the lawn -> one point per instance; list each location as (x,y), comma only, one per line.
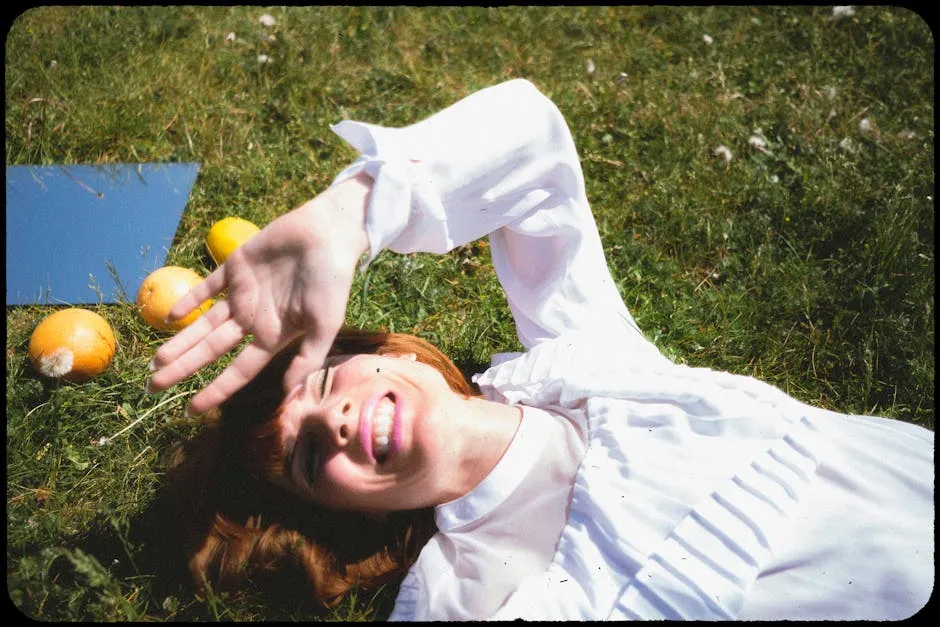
(762,178)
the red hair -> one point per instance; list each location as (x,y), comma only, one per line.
(238,527)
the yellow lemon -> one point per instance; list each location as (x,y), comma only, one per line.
(226,235)
(161,290)
(74,344)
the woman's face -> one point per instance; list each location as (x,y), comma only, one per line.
(370,433)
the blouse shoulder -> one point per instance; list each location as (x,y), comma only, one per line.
(554,370)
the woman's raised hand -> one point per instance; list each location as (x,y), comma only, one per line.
(291,279)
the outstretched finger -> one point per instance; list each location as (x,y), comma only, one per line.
(312,354)
(249,363)
(220,341)
(190,336)
(211,286)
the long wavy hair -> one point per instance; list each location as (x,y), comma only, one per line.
(238,528)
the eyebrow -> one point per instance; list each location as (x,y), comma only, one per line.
(291,447)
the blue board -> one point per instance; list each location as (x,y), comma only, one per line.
(82,234)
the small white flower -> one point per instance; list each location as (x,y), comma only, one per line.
(607,138)
(707,39)
(272,38)
(622,77)
(52,64)
(757,142)
(864,125)
(723,152)
(847,144)
(589,66)
(230,37)
(267,20)
(830,92)
(263,58)
(842,11)
(102,440)
(774,178)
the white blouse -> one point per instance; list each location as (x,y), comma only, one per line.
(634,487)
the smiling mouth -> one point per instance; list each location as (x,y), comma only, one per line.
(383,419)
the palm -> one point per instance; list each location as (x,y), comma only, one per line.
(289,280)
(267,286)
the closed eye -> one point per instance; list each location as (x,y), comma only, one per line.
(308,469)
(312,464)
(323,382)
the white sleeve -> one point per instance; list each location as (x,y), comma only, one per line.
(501,162)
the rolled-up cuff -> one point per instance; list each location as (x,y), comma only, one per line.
(385,157)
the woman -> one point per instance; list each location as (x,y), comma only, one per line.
(594,478)
(238,519)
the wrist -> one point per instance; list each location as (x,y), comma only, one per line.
(343,207)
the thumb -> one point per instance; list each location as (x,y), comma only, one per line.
(312,354)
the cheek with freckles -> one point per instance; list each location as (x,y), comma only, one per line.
(335,474)
(343,481)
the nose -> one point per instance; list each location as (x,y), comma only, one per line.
(338,421)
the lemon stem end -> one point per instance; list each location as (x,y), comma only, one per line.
(57,363)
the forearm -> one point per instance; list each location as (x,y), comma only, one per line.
(465,172)
(337,217)
(502,163)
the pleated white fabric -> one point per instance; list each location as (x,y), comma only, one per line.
(635,488)
(687,481)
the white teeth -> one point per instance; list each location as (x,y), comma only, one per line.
(382,419)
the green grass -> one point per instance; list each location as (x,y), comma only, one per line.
(810,265)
